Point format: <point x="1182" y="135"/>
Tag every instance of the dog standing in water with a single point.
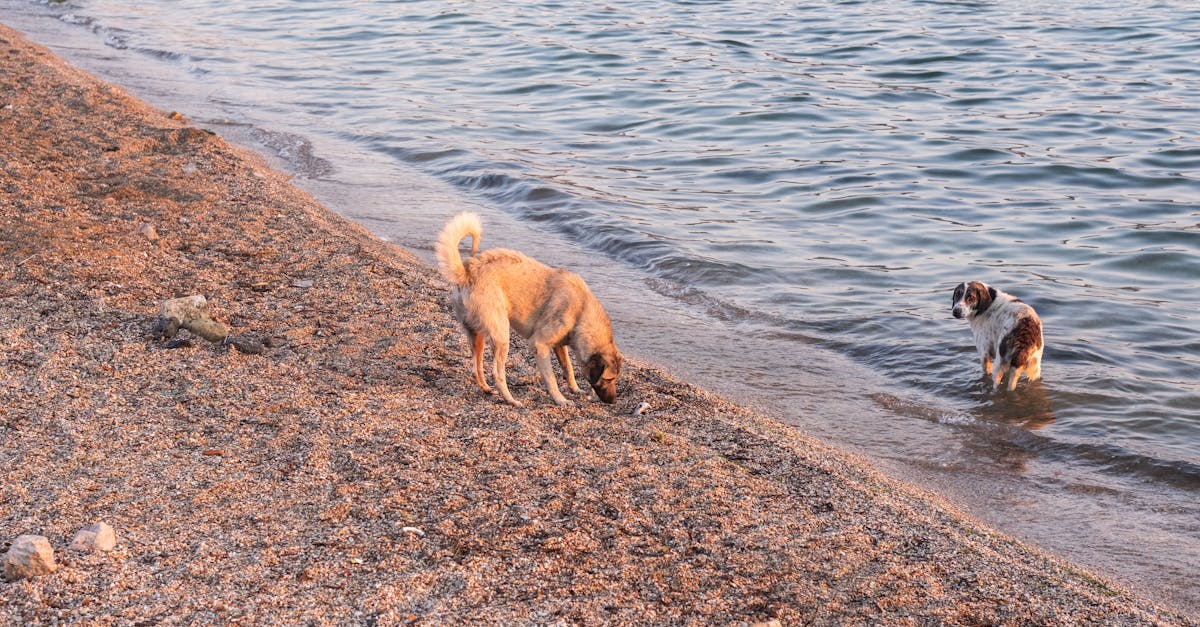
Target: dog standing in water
<point x="1008" y="333"/>
<point x="500" y="290"/>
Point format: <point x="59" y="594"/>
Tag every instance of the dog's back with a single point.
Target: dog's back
<point x="1021" y="346"/>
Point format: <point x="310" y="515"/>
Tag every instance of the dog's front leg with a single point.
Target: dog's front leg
<point x="564" y="360"/>
<point x="987" y="366"/>
<point x="998" y="376"/>
<point x="547" y="372"/>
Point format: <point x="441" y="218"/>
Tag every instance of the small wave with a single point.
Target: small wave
<point x="116" y="42"/>
<point x="916" y="75"/>
<point x="71" y="18"/>
<point x="977" y="155"/>
<point x="295" y="150"/>
<point x="161" y="54"/>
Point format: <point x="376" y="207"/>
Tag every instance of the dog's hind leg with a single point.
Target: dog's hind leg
<point x="547" y="372"/>
<point x="477" y="359"/>
<point x="1034" y="372"/>
<point x="499" y="358"/>
<point x="564" y="360"/>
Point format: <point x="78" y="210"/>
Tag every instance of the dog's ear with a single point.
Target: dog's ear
<point x="985" y="298"/>
<point x="595" y="368"/>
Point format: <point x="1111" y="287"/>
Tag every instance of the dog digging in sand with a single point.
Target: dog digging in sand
<point x="500" y="290"/>
<point x="1007" y="332"/>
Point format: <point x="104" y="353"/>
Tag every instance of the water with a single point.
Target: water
<point x="777" y="201"/>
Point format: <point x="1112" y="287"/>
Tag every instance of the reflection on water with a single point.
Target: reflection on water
<point x="1028" y="406"/>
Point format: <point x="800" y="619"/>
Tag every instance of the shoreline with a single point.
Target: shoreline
<point x="282" y="486"/>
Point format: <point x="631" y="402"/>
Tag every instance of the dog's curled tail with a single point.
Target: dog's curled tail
<point x="449" y="260"/>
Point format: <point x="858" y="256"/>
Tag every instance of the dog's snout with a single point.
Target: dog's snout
<point x="958" y="312"/>
<point x="607" y="393"/>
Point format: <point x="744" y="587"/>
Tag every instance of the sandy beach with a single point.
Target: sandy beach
<point x="351" y="473"/>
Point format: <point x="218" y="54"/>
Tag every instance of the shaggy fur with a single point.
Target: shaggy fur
<point x="1008" y="333"/>
<point x="500" y="290"/>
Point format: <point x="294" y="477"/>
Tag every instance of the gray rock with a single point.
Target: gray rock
<point x="29" y="556"/>
<point x="97" y="537"/>
<point x="184" y="309"/>
<point x="191" y="313"/>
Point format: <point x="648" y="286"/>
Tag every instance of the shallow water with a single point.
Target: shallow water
<point x="778" y="201"/>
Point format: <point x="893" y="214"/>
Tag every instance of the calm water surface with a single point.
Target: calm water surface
<point x="798" y="186"/>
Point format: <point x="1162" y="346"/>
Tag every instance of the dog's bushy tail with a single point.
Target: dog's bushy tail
<point x="449" y="260"/>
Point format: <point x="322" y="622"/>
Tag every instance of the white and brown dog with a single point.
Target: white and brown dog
<point x="499" y="290"/>
<point x="1008" y="333"/>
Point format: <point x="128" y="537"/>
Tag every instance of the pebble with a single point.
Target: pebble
<point x="640" y="409"/>
<point x="97" y="537"/>
<point x="29" y="556"/>
<point x="247" y="345"/>
<point x="191" y="313"/>
<point x="148" y="231"/>
<point x="184" y="309"/>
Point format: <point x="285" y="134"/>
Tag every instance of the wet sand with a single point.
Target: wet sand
<point x="351" y="473"/>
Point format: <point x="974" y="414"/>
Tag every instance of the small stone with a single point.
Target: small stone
<point x="147" y="231"/>
<point x="208" y="329"/>
<point x="191" y="313"/>
<point x="97" y="537"/>
<point x="175" y="115"/>
<point x="29" y="556"/>
<point x="166" y="328"/>
<point x="641" y="408"/>
<point x="247" y="345"/>
<point x="304" y="283"/>
<point x="184" y="309"/>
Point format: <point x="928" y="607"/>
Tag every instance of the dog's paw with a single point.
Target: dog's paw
<point x="564" y="402"/>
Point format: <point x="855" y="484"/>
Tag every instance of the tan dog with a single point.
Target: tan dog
<point x="499" y="289"/>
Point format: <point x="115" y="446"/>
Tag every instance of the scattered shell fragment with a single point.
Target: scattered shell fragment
<point x="413" y="530"/>
<point x="640" y="409"/>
